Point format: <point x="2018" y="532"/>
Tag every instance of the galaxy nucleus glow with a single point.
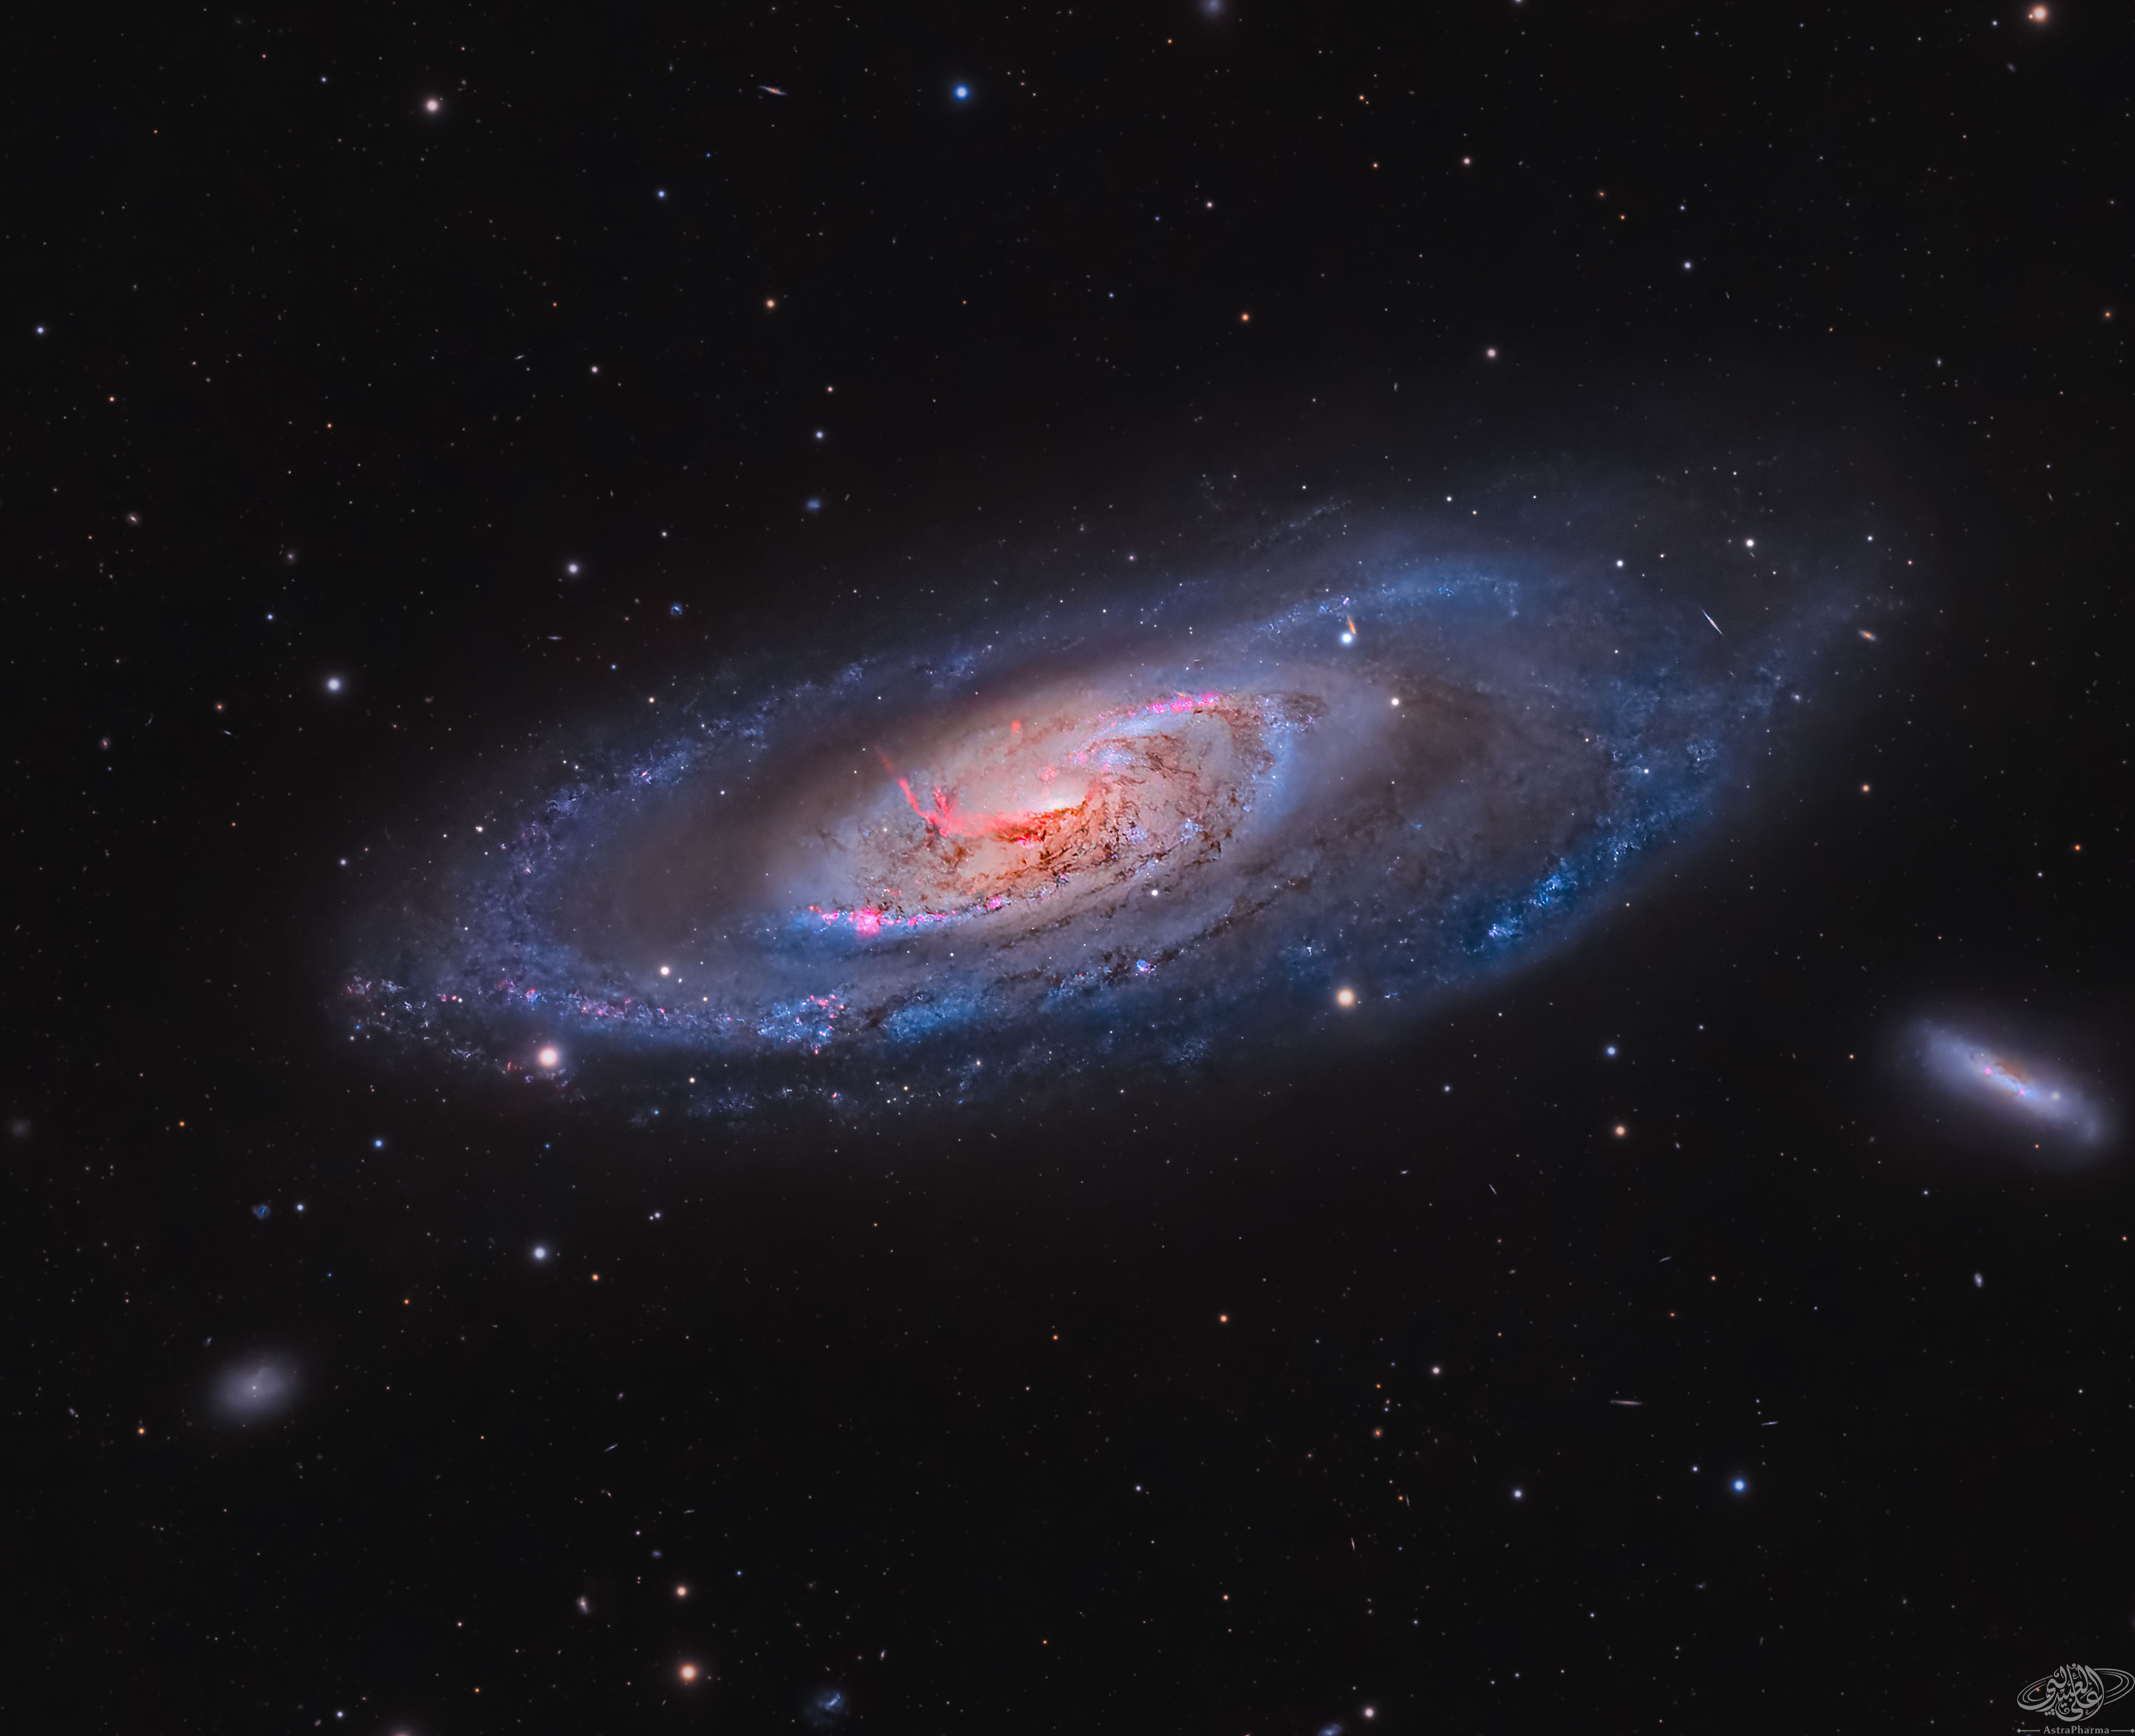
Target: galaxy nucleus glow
<point x="255" y="1389"/>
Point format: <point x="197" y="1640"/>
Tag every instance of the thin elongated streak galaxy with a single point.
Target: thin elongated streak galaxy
<point x="1328" y="773"/>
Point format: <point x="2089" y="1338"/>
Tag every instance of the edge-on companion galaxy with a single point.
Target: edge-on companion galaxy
<point x="1324" y="774"/>
<point x="2021" y="1092"/>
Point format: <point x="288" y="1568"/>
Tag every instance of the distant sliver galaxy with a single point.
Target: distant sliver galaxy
<point x="1356" y="762"/>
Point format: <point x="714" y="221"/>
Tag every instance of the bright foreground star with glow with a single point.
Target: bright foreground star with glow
<point x="1304" y="784"/>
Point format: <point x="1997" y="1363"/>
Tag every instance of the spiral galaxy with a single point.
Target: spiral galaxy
<point x="1328" y="771"/>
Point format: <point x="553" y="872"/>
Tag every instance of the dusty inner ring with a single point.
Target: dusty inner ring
<point x="1060" y="808"/>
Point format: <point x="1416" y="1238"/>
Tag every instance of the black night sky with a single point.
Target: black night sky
<point x="1638" y="1336"/>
